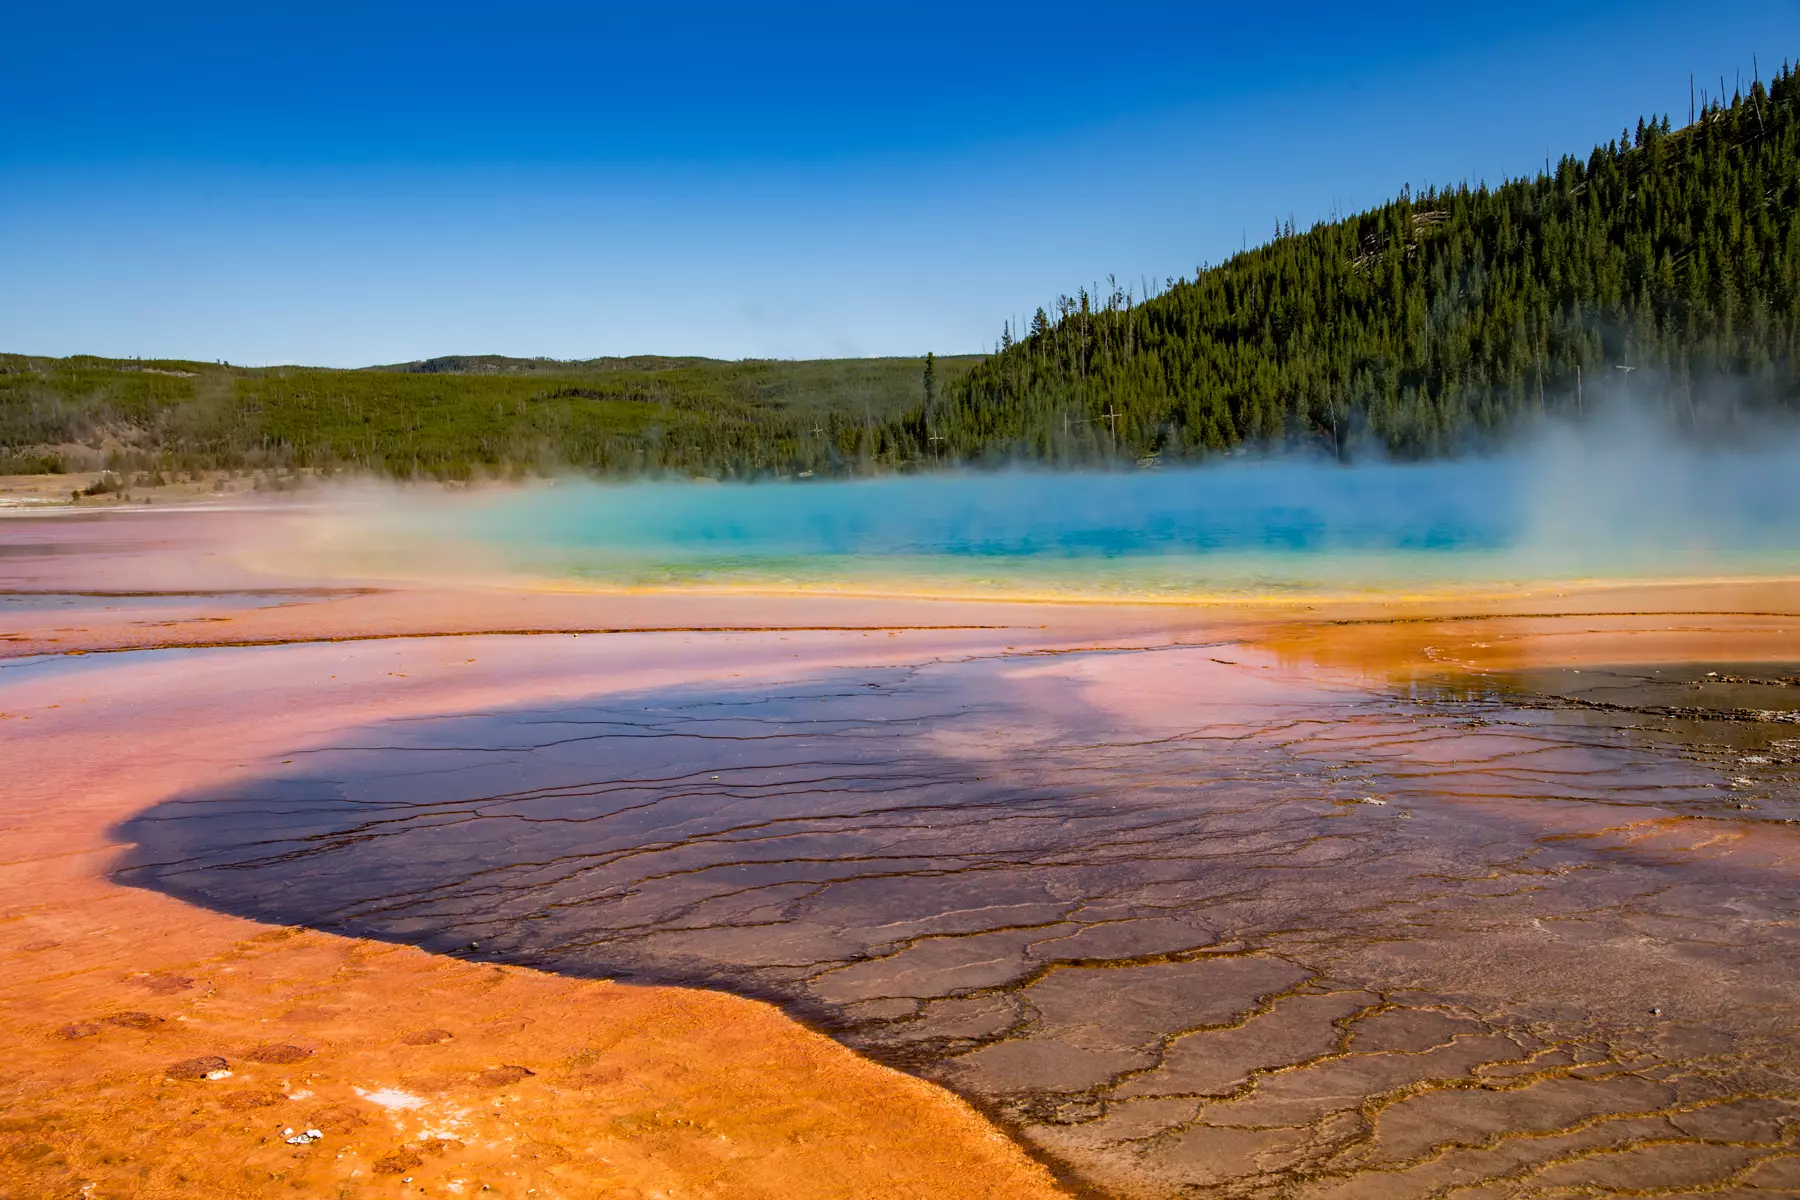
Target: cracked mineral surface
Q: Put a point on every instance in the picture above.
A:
(1189, 920)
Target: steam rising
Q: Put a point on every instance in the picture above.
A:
(1617, 497)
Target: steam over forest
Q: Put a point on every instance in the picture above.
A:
(1434, 323)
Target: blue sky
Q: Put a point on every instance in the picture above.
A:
(345, 184)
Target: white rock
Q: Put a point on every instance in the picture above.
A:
(392, 1098)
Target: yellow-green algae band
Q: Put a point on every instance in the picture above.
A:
(1575, 509)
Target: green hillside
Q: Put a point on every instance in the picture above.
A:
(1670, 256)
(488, 416)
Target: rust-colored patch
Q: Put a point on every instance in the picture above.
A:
(133, 1020)
(503, 1076)
(593, 1077)
(277, 1053)
(339, 1119)
(30, 1151)
(249, 1098)
(399, 1162)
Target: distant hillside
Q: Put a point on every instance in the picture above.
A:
(608, 416)
(500, 364)
(1442, 318)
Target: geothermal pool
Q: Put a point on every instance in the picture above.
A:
(1234, 531)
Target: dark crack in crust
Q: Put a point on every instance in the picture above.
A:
(1531, 936)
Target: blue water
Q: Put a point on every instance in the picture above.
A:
(1248, 527)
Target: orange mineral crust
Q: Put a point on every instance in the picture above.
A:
(154, 1049)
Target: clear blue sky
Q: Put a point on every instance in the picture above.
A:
(345, 184)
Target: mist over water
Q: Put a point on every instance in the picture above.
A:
(1617, 498)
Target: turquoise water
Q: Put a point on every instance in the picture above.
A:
(1247, 527)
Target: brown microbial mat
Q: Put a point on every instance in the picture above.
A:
(1186, 920)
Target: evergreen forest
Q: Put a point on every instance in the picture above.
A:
(1665, 265)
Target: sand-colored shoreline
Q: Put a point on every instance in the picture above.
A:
(1673, 621)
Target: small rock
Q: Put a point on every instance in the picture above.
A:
(502, 1076)
(78, 1030)
(207, 1066)
(426, 1037)
(166, 985)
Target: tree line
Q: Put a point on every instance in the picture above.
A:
(1436, 321)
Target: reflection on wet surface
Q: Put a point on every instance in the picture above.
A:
(1188, 924)
(42, 549)
(233, 601)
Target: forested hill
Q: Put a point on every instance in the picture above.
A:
(1439, 319)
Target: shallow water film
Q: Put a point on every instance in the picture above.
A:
(1186, 921)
